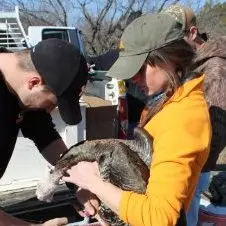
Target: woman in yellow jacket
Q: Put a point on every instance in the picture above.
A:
(155, 56)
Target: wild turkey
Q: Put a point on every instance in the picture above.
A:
(124, 163)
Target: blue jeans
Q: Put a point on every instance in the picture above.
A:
(193, 211)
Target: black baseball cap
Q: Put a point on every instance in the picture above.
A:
(64, 70)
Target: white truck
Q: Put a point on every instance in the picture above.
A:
(98, 106)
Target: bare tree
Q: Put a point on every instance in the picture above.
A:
(42, 12)
(103, 21)
(212, 19)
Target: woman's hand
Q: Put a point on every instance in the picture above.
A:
(84, 174)
(87, 176)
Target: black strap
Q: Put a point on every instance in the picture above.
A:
(182, 218)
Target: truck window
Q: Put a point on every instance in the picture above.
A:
(52, 33)
(71, 35)
(74, 38)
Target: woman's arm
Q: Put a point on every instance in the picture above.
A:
(179, 154)
(103, 189)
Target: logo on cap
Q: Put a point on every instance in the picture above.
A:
(121, 46)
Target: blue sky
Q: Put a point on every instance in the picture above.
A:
(75, 14)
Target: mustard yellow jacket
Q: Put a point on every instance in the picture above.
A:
(181, 134)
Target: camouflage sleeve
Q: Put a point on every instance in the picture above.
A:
(215, 82)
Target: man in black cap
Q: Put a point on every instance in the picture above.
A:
(32, 83)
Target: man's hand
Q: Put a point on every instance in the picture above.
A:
(89, 201)
(56, 222)
(9, 220)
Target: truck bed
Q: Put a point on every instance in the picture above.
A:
(24, 205)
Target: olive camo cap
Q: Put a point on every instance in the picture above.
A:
(144, 35)
(182, 13)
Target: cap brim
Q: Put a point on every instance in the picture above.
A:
(70, 110)
(127, 66)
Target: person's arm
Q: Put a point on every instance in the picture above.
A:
(102, 190)
(38, 126)
(179, 153)
(165, 195)
(54, 150)
(214, 90)
(159, 206)
(215, 82)
(8, 220)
